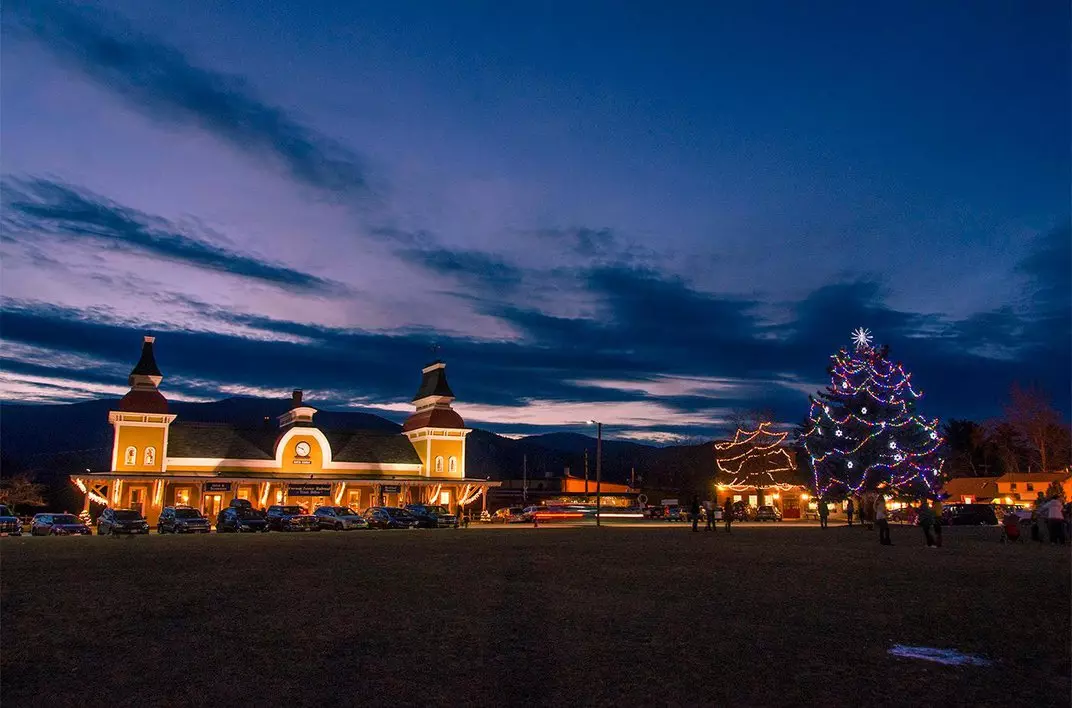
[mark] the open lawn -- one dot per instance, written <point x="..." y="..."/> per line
<point x="767" y="616"/>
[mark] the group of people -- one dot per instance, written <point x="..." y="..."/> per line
<point x="873" y="513"/>
<point x="1050" y="519"/>
<point x="710" y="512"/>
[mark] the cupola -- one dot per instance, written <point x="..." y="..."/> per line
<point x="144" y="395"/>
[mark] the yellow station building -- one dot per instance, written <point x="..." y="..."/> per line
<point x="158" y="460"/>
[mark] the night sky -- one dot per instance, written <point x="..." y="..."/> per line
<point x="651" y="215"/>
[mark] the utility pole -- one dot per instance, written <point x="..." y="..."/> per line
<point x="599" y="471"/>
<point x="524" y="479"/>
<point x="586" y="475"/>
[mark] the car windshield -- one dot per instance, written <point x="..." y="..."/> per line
<point x="187" y="514"/>
<point x="65" y="519"/>
<point x="438" y="509"/>
<point x="344" y="511"/>
<point x="290" y="510"/>
<point x="247" y="514"/>
<point x="128" y="515"/>
<point x="400" y="513"/>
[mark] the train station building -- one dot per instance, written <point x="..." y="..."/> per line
<point x="159" y="460"/>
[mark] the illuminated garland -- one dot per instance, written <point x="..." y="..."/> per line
<point x="433" y="496"/>
<point x="862" y="432"/>
<point x="762" y="451"/>
<point x="93" y="496"/>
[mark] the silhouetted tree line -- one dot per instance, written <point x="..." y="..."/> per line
<point x="1029" y="437"/>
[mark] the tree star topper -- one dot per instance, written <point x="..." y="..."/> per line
<point x="862" y="337"/>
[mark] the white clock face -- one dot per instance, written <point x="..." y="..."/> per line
<point x="302" y="449"/>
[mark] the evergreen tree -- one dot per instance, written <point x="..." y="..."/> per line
<point x="864" y="434"/>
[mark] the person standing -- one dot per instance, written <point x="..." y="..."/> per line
<point x="848" y="511"/>
<point x="727" y="513"/>
<point x="1055" y="520"/>
<point x="709" y="509"/>
<point x="882" y="522"/>
<point x="926" y="522"/>
<point x="694" y="512"/>
<point x="937" y="507"/>
<point x="824" y="513"/>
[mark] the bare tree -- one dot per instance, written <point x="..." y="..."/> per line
<point x="22" y="491"/>
<point x="1031" y="416"/>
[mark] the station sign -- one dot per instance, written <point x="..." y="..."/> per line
<point x="391" y="488"/>
<point x="217" y="486"/>
<point x="309" y="490"/>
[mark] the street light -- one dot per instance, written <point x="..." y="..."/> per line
<point x="599" y="467"/>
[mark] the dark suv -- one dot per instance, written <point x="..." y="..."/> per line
<point x="9" y="523"/>
<point x="182" y="519"/>
<point x="968" y="515"/>
<point x="432" y="515"/>
<point x="240" y="519"/>
<point x="291" y="518"/>
<point x="121" y="521"/>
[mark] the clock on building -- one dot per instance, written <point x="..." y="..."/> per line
<point x="302" y="449"/>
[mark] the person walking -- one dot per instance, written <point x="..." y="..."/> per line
<point x="1055" y="520"/>
<point x="848" y="511"/>
<point x="882" y="522"/>
<point x="926" y="522"/>
<point x="824" y="513"/>
<point x="727" y="513"/>
<point x="694" y="512"/>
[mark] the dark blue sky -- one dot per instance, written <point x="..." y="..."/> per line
<point x="654" y="215"/>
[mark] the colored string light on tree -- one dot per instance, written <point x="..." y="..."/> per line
<point x="893" y="446"/>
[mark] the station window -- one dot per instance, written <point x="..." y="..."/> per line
<point x="279" y="496"/>
<point x="131" y="457"/>
<point x="182" y="496"/>
<point x="439" y="465"/>
<point x="452" y="466"/>
<point x="150" y="455"/>
<point x="353" y="499"/>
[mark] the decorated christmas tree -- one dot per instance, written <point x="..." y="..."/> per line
<point x="863" y="434"/>
<point x="757" y="457"/>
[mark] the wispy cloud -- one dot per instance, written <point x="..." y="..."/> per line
<point x="36" y="207"/>
<point x="162" y="82"/>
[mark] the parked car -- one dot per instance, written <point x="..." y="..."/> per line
<point x="507" y="515"/>
<point x="969" y="515"/>
<point x="339" y="518"/>
<point x="437" y="513"/>
<point x="390" y="517"/>
<point x="9" y="523"/>
<point x="674" y="513"/>
<point x="742" y="512"/>
<point x="182" y="519"/>
<point x="112" y="522"/>
<point x="291" y="518"/>
<point x="655" y="511"/>
<point x="768" y="513"/>
<point x="240" y="519"/>
<point x="57" y="525"/>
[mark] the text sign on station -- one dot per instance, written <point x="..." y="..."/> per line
<point x="217" y="486"/>
<point x="391" y="488"/>
<point x="309" y="490"/>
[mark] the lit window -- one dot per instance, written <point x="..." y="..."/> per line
<point x="132" y="455"/>
<point x="353" y="498"/>
<point x="182" y="496"/>
<point x="1013" y="486"/>
<point x="243" y="493"/>
<point x="150" y="455"/>
<point x="279" y="496"/>
<point x="439" y="465"/>
<point x="452" y="466"/>
<point x="444" y="498"/>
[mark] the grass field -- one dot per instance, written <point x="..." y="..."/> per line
<point x="767" y="616"/>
